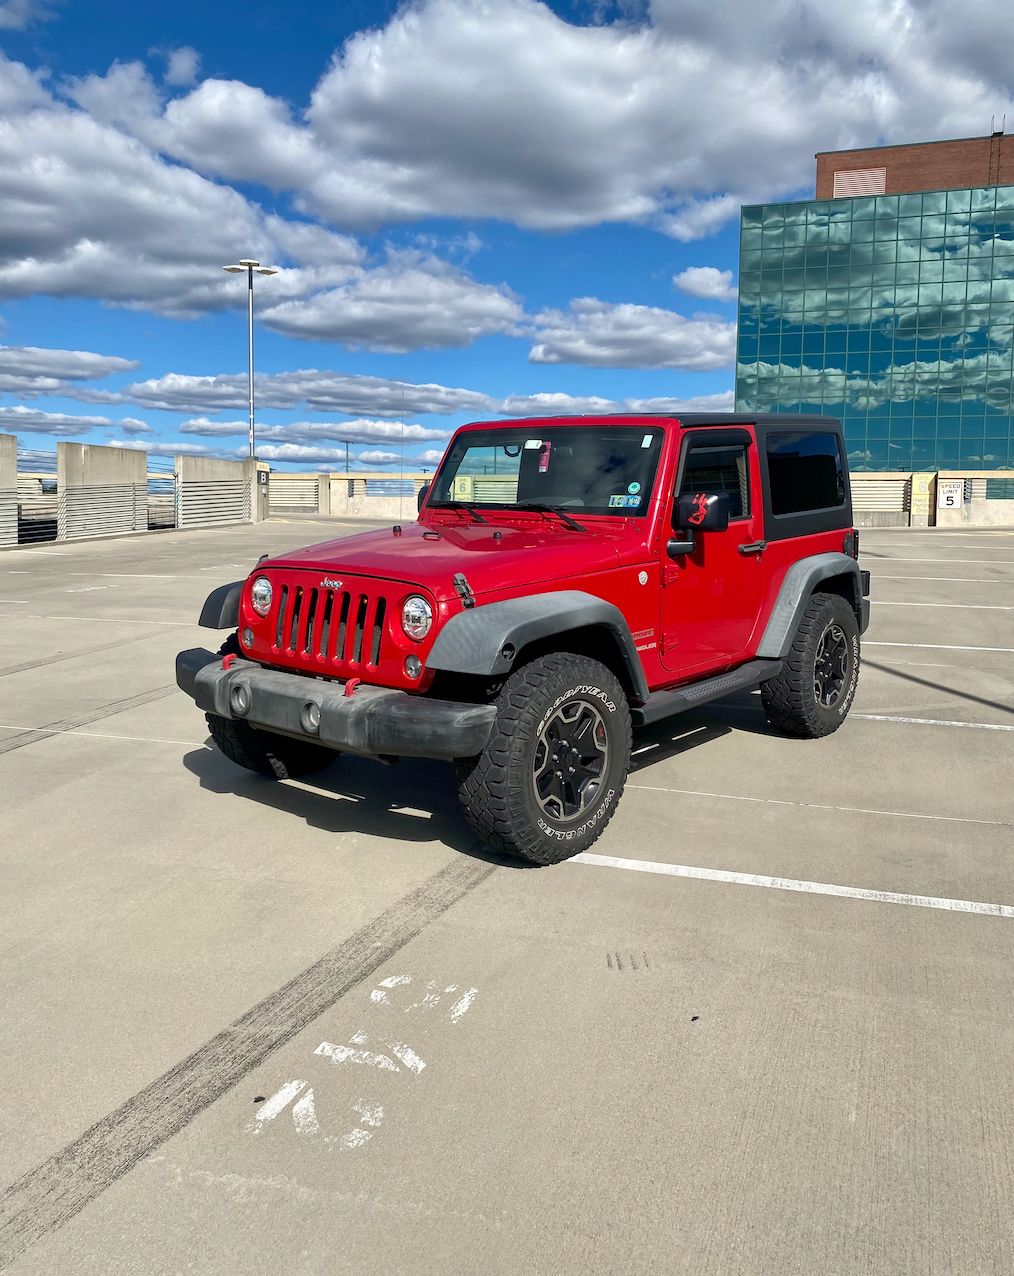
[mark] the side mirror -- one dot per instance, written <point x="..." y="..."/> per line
<point x="421" y="497"/>
<point x="699" y="512"/>
<point x="703" y="512"/>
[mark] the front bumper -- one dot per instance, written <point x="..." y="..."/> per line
<point x="374" y="721"/>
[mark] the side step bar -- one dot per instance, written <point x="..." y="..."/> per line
<point x="663" y="704"/>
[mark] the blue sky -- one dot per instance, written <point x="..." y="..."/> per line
<point x="478" y="207"/>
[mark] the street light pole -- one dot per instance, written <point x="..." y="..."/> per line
<point x="250" y="266"/>
<point x="347" y="442"/>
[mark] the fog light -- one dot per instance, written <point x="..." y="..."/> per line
<point x="310" y="717"/>
<point x="247" y="636"/>
<point x="413" y="666"/>
<point x="239" y="699"/>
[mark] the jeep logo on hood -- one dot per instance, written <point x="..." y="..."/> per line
<point x="328" y="583"/>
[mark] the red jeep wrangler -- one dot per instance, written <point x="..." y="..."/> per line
<point x="568" y="578"/>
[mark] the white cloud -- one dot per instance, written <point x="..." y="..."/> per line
<point x="591" y="405"/>
<point x="61" y="424"/>
<point x="430" y="457"/>
<point x="598" y="334"/>
<point x="31" y="370"/>
<point x="16" y="15"/>
<point x="707" y="282"/>
<point x="321" y="391"/>
<point x="413" y="301"/>
<point x="323" y="455"/>
<point x="359" y="431"/>
<point x="183" y="65"/>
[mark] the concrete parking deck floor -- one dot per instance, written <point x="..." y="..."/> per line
<point x="312" y="1028"/>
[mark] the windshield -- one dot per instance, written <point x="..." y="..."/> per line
<point x="594" y="469"/>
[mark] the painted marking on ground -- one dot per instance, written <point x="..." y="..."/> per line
<point x="884" y="602"/>
<point x="111" y="620"/>
<point x="101" y="735"/>
<point x="942" y="562"/>
<point x="47" y="1197"/>
<point x="792" y="884"/>
<point x="933" y="646"/>
<point x="818" y="806"/>
<point x="930" y="722"/>
<point x="950" y="580"/>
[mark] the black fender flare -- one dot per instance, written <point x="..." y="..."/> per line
<point x="221" y="607"/>
<point x="485" y="640"/>
<point x="801" y="580"/>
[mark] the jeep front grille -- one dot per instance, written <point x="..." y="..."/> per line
<point x="343" y="628"/>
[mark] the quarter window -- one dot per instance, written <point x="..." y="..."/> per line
<point x="719" y="469"/>
<point x="806" y="472"/>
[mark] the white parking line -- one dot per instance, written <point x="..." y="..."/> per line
<point x="933" y="646"/>
<point x="817" y="806"/>
<point x="792" y="884"/>
<point x="930" y="722"/>
<point x="950" y="580"/>
<point x="886" y="602"/>
<point x="110" y="620"/>
<point x="101" y="735"/>
<point x="942" y="562"/>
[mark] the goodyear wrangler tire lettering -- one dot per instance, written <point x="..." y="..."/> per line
<point x="554" y="768"/>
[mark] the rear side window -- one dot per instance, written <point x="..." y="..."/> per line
<point x="719" y="469"/>
<point x="806" y="472"/>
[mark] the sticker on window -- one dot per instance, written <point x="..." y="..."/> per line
<point x="633" y="488"/>
<point x="532" y="444"/>
<point x="622" y="501"/>
<point x="646" y="441"/>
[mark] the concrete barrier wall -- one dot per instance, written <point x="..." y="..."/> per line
<point x="350" y="496"/>
<point x="8" y="489"/>
<point x="210" y="493"/>
<point x="100" y="490"/>
<point x="976" y="508"/>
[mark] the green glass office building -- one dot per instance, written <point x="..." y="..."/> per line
<point x="894" y="313"/>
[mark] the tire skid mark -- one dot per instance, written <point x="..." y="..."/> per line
<point x="47" y="1197"/>
<point x="74" y="655"/>
<point x="46" y="732"/>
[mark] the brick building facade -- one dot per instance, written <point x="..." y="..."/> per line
<point x="920" y="166"/>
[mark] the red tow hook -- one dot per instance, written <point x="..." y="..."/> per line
<point x="350" y="686"/>
<point x="229" y="660"/>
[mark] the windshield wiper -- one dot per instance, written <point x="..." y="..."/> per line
<point x="541" y="507"/>
<point x="459" y="505"/>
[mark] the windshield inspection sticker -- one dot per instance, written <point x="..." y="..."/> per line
<point x="624" y="502"/>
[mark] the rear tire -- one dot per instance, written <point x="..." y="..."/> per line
<point x="549" y="779"/>
<point x="813" y="693"/>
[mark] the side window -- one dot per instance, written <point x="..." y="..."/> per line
<point x="719" y="469"/>
<point x="806" y="472"/>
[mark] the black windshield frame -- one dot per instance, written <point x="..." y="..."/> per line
<point x="588" y="470"/>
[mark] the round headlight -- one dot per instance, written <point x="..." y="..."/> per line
<point x="416" y="617"/>
<point x="260" y="595"/>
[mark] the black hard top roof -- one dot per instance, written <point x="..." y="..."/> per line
<point x="686" y="418"/>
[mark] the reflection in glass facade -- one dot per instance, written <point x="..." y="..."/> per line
<point x="894" y="313"/>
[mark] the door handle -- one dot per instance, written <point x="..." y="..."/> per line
<point x="753" y="547"/>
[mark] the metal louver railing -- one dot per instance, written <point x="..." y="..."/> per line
<point x="8" y="516"/>
<point x="293" y="494"/>
<point x="212" y="502"/>
<point x="882" y="495"/>
<point x="101" y="510"/>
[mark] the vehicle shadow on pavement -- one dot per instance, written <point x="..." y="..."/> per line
<point x="356" y="795"/>
<point x="691" y="730"/>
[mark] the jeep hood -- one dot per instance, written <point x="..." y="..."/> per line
<point x="491" y="556"/>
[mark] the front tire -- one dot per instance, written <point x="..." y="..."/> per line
<point x="813" y="693"/>
<point x="274" y="756"/>
<point x="548" y="781"/>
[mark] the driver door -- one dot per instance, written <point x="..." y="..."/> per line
<point x="711" y="598"/>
